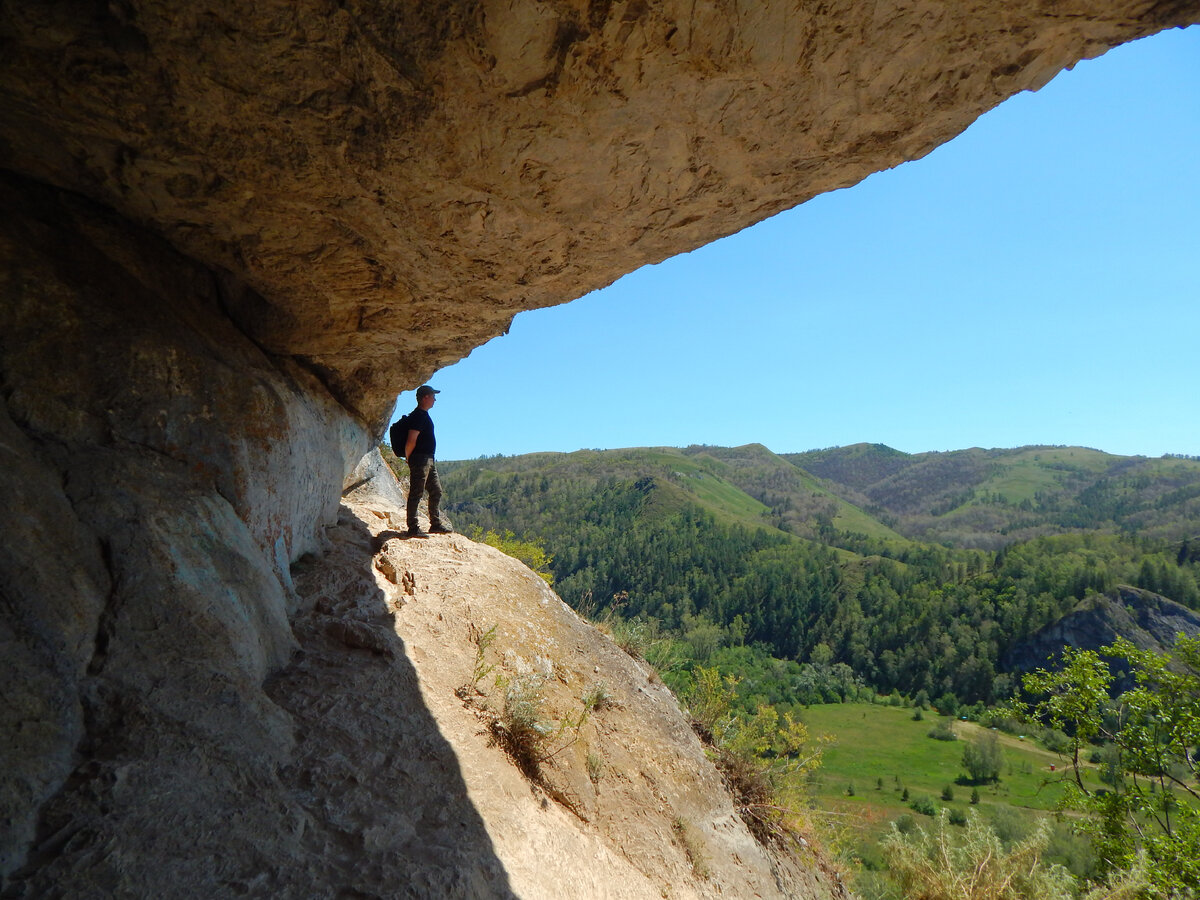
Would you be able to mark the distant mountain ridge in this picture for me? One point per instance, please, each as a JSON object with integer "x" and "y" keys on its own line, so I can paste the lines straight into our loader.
{"x": 987, "y": 498}
{"x": 749, "y": 484}
{"x": 974, "y": 498}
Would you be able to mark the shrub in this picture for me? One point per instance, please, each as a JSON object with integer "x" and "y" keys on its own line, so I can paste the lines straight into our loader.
{"x": 524, "y": 731}
{"x": 1010, "y": 825}
{"x": 947, "y": 705}
{"x": 531, "y": 553}
{"x": 938, "y": 865}
{"x": 983, "y": 759}
{"x": 763, "y": 758}
{"x": 641, "y": 638}
{"x": 1056, "y": 741}
{"x": 520, "y": 729}
{"x": 1071, "y": 849}
{"x": 693, "y": 847}
{"x": 925, "y": 806}
{"x": 943, "y": 731}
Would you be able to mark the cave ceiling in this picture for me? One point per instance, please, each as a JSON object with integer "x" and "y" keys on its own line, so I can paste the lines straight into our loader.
{"x": 380, "y": 187}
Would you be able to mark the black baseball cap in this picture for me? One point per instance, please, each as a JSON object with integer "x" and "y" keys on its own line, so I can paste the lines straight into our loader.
{"x": 426, "y": 389}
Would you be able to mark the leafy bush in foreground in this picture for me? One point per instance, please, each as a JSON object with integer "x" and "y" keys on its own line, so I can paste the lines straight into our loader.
{"x": 764, "y": 758}
{"x": 1149, "y": 815}
{"x": 939, "y": 864}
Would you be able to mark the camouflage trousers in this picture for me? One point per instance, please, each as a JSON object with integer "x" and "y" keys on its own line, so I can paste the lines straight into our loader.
{"x": 423, "y": 480}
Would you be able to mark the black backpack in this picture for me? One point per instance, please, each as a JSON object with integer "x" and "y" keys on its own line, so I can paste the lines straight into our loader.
{"x": 398, "y": 435}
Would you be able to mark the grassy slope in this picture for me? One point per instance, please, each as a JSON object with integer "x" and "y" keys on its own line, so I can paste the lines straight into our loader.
{"x": 718, "y": 479}
{"x": 704, "y": 482}
{"x": 753, "y": 465}
{"x": 874, "y": 742}
{"x": 1022, "y": 474}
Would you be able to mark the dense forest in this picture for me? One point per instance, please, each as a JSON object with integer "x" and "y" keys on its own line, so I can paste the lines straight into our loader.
{"x": 818, "y": 576}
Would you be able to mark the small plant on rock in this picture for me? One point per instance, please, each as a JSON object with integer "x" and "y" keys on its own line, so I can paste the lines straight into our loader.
{"x": 595, "y": 767}
{"x": 525, "y": 732}
{"x": 693, "y": 847}
{"x": 597, "y": 698}
{"x": 482, "y": 640}
{"x": 764, "y": 758}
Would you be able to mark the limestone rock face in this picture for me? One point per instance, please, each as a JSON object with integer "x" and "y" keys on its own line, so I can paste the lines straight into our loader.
{"x": 1149, "y": 621}
{"x": 160, "y": 476}
{"x": 395, "y": 180}
{"x": 366, "y": 764}
{"x": 230, "y": 234}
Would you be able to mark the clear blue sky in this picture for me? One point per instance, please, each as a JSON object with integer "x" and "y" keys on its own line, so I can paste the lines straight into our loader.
{"x": 1034, "y": 281}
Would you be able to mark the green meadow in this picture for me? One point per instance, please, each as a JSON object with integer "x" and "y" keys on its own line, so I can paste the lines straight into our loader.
{"x": 877, "y": 751}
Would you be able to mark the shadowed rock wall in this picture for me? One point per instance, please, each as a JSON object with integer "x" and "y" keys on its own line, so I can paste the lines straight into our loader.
{"x": 232, "y": 232}
{"x": 160, "y": 475}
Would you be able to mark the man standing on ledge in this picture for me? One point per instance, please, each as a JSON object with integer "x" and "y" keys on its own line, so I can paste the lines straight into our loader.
{"x": 419, "y": 448}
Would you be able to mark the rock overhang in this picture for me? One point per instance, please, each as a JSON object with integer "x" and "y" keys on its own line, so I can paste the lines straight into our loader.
{"x": 383, "y": 186}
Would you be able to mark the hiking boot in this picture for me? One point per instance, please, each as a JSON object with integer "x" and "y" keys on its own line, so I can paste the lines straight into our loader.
{"x": 416, "y": 533}
{"x": 441, "y": 529}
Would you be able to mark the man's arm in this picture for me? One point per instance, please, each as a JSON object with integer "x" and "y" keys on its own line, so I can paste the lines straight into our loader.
{"x": 411, "y": 443}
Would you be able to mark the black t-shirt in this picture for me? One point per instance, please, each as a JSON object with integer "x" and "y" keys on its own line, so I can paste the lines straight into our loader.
{"x": 418, "y": 420}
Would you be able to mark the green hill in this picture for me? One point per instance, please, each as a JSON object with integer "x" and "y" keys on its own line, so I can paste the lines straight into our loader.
{"x": 868, "y": 558}
{"x": 795, "y": 501}
{"x": 749, "y": 485}
{"x": 989, "y": 498}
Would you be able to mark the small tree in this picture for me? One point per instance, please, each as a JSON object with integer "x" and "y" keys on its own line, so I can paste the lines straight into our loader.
{"x": 1150, "y": 813}
{"x": 983, "y": 759}
{"x": 532, "y": 553}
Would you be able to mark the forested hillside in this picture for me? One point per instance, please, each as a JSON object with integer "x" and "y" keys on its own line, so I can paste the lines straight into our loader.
{"x": 990, "y": 498}
{"x": 810, "y": 581}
